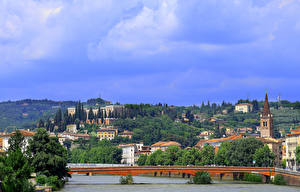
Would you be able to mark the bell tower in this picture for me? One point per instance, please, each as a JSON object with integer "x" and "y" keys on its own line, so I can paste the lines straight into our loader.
{"x": 266, "y": 120}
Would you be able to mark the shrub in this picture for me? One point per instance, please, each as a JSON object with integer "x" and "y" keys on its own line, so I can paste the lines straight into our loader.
{"x": 54, "y": 182}
{"x": 202, "y": 177}
{"x": 41, "y": 179}
{"x": 252, "y": 177}
{"x": 127, "y": 180}
{"x": 279, "y": 180}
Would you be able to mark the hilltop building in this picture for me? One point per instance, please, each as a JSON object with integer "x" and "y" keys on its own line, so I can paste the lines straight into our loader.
{"x": 244, "y": 107}
{"x": 107, "y": 133}
{"x": 266, "y": 120}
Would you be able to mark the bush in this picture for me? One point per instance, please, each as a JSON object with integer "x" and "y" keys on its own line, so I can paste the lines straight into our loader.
{"x": 41, "y": 179}
{"x": 127, "y": 180}
{"x": 52, "y": 181}
{"x": 252, "y": 177}
{"x": 202, "y": 177}
{"x": 279, "y": 180}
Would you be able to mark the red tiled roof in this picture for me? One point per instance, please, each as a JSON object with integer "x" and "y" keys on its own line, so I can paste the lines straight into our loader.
{"x": 23, "y": 132}
{"x": 166, "y": 143}
{"x": 231, "y": 138}
{"x": 241, "y": 104}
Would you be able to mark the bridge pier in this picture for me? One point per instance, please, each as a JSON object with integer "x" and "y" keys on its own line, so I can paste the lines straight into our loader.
{"x": 90, "y": 174}
{"x": 221, "y": 176}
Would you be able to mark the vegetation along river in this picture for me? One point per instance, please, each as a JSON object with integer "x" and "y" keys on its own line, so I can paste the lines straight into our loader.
{"x": 82, "y": 183}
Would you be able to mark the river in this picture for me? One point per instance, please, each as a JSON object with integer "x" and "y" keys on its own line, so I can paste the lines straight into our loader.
{"x": 82, "y": 183}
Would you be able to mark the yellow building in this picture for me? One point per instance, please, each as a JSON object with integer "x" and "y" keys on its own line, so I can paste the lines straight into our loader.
{"x": 244, "y": 107}
{"x": 291, "y": 142}
{"x": 107, "y": 133}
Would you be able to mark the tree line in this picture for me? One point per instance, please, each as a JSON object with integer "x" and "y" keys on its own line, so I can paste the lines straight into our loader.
{"x": 241, "y": 152}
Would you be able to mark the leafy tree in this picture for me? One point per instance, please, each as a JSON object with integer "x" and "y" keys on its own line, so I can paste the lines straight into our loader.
{"x": 47, "y": 155}
{"x": 15, "y": 169}
{"x": 207, "y": 155}
{"x": 242, "y": 151}
{"x": 222, "y": 156}
{"x": 142, "y": 160}
{"x": 16, "y": 141}
{"x": 263, "y": 157}
{"x": 298, "y": 154}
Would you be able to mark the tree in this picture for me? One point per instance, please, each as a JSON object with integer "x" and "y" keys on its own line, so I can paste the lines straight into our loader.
{"x": 16, "y": 141}
{"x": 15, "y": 169}
{"x": 47, "y": 155}
{"x": 142, "y": 160}
{"x": 207, "y": 155}
{"x": 263, "y": 157}
{"x": 222, "y": 156}
{"x": 298, "y": 154}
{"x": 91, "y": 114}
{"x": 242, "y": 151}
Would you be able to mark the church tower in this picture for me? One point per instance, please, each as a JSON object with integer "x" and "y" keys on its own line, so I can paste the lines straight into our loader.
{"x": 266, "y": 120}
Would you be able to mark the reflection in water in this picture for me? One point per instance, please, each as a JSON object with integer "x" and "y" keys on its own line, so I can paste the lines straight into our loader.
{"x": 81, "y": 183}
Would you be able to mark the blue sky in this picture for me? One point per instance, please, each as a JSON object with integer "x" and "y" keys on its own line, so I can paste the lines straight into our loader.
{"x": 179, "y": 52}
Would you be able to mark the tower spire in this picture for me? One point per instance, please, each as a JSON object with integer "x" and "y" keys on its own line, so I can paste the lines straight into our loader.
{"x": 266, "y": 106}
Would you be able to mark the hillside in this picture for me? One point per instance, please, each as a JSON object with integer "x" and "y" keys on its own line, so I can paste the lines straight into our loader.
{"x": 24, "y": 113}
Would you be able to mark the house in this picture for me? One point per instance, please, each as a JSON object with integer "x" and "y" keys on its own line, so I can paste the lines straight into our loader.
{"x": 292, "y": 140}
{"x": 205, "y": 134}
{"x": 72, "y": 128}
{"x": 27, "y": 135}
{"x": 107, "y": 133}
{"x": 130, "y": 153}
{"x": 163, "y": 145}
{"x": 126, "y": 134}
{"x": 216, "y": 142}
{"x": 244, "y": 107}
{"x": 245, "y": 130}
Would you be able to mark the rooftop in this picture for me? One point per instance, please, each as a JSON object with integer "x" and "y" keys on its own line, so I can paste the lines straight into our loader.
{"x": 166, "y": 143}
{"x": 231, "y": 138}
{"x": 23, "y": 132}
{"x": 242, "y": 104}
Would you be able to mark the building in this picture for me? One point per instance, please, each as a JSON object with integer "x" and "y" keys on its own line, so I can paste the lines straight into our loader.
{"x": 216, "y": 142}
{"x": 163, "y": 145}
{"x": 72, "y": 128}
{"x": 292, "y": 140}
{"x": 71, "y": 110}
{"x": 112, "y": 109}
{"x": 205, "y": 134}
{"x": 244, "y": 107}
{"x": 266, "y": 120}
{"x": 275, "y": 145}
{"x": 107, "y": 133}
{"x": 126, "y": 134}
{"x": 27, "y": 135}
{"x": 130, "y": 153}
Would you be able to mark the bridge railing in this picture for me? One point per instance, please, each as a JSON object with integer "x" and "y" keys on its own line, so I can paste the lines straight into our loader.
{"x": 287, "y": 171}
{"x": 93, "y": 165}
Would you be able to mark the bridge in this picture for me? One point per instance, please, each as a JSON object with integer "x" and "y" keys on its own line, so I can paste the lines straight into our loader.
{"x": 190, "y": 170}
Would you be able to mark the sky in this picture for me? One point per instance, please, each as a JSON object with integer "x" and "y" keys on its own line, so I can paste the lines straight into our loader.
{"x": 179, "y": 52}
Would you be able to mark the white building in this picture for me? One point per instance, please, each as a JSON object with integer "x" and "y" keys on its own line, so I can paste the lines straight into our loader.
{"x": 129, "y": 153}
{"x": 5, "y": 138}
{"x": 244, "y": 107}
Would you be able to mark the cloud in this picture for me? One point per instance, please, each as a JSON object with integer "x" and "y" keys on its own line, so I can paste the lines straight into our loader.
{"x": 209, "y": 44}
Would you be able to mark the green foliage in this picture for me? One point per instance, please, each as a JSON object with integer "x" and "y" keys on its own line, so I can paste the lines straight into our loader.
{"x": 16, "y": 142}
{"x": 47, "y": 155}
{"x": 54, "y": 182}
{"x": 127, "y": 180}
{"x": 298, "y": 154}
{"x": 202, "y": 177}
{"x": 15, "y": 169}
{"x": 263, "y": 157}
{"x": 142, "y": 160}
{"x": 252, "y": 177}
{"x": 222, "y": 156}
{"x": 279, "y": 180}
{"x": 153, "y": 129}
{"x": 242, "y": 151}
{"x": 284, "y": 163}
{"x": 41, "y": 179}
{"x": 96, "y": 152}
{"x": 25, "y": 113}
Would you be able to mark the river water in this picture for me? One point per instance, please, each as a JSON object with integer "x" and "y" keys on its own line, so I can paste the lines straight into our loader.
{"x": 82, "y": 183}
